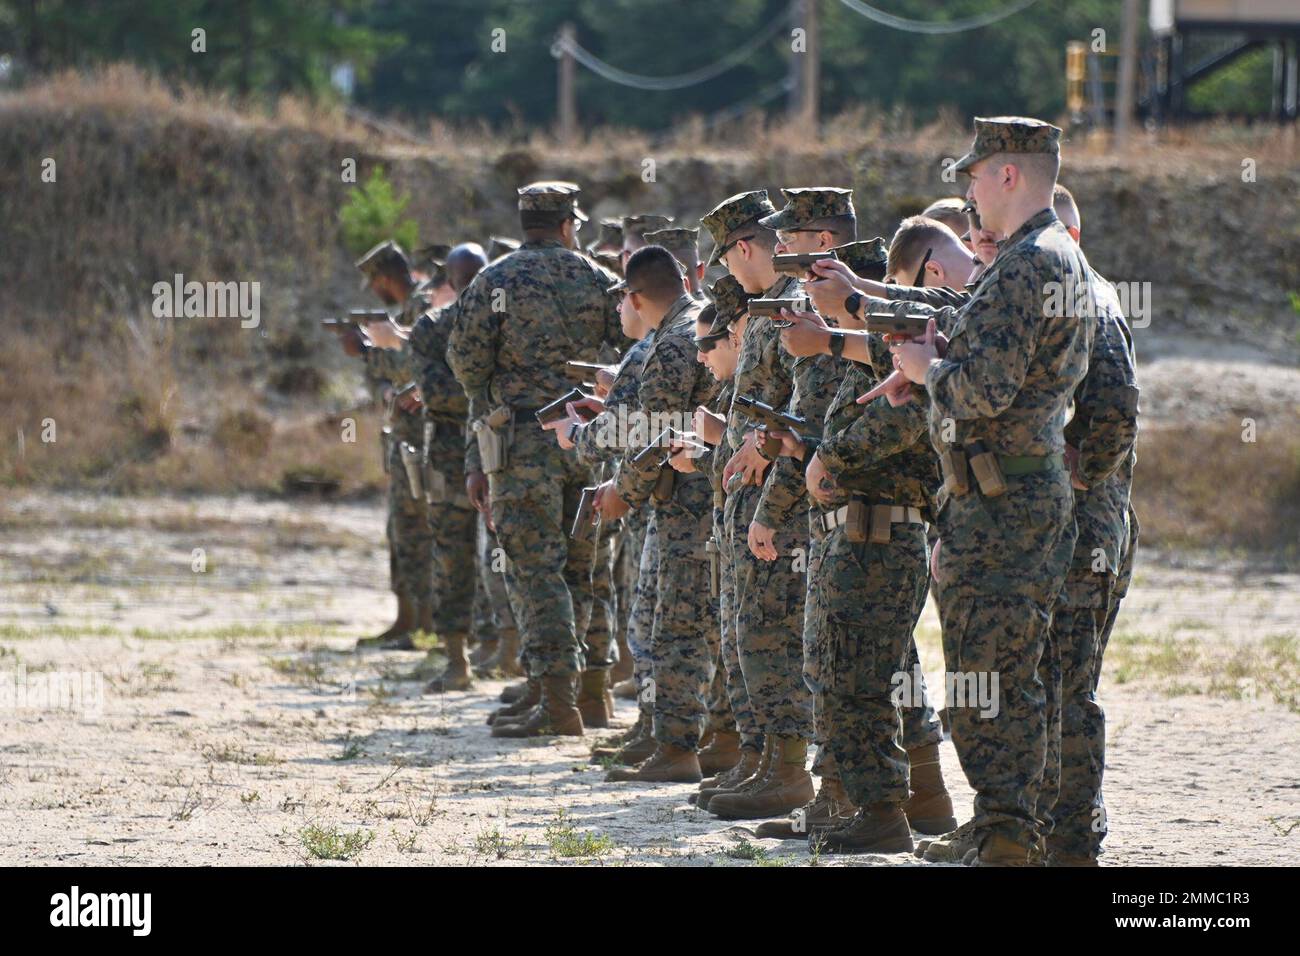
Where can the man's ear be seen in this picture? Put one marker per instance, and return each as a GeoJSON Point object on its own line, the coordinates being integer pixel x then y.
{"type": "Point", "coordinates": [1074, 232]}
{"type": "Point", "coordinates": [699, 271]}
{"type": "Point", "coordinates": [825, 240]}
{"type": "Point", "coordinates": [935, 275]}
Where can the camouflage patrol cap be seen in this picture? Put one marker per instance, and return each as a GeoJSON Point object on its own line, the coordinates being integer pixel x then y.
{"type": "Point", "coordinates": [732, 214]}
{"type": "Point", "coordinates": [610, 235]}
{"type": "Point", "coordinates": [610, 260]}
{"type": "Point", "coordinates": [636, 227]}
{"type": "Point", "coordinates": [1010, 134]}
{"type": "Point", "coordinates": [498, 246]}
{"type": "Point", "coordinates": [730, 300]}
{"type": "Point", "coordinates": [551, 197]}
{"type": "Point", "coordinates": [863, 256]}
{"type": "Point", "coordinates": [383, 259]}
{"type": "Point", "coordinates": [809, 204]}
{"type": "Point", "coordinates": [681, 242]}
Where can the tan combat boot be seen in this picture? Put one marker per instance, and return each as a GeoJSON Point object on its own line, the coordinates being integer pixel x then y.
{"type": "Point", "coordinates": [556, 714]}
{"type": "Point", "coordinates": [788, 785]}
{"type": "Point", "coordinates": [612, 746]}
{"type": "Point", "coordinates": [719, 751]}
{"type": "Point", "coordinates": [951, 847]}
{"type": "Point", "coordinates": [878, 828]}
{"type": "Point", "coordinates": [530, 698]}
{"type": "Point", "coordinates": [456, 676]}
{"type": "Point", "coordinates": [505, 662]}
{"type": "Point", "coordinates": [929, 808]}
{"type": "Point", "coordinates": [829, 810]}
{"type": "Point", "coordinates": [596, 711]}
{"type": "Point", "coordinates": [484, 651]}
{"type": "Point", "coordinates": [668, 764]}
{"type": "Point", "coordinates": [1057, 858]}
{"type": "Point", "coordinates": [638, 750]}
{"type": "Point", "coordinates": [622, 668]}
{"type": "Point", "coordinates": [512, 692]}
{"type": "Point", "coordinates": [999, 850]}
{"type": "Point", "coordinates": [749, 772]}
{"type": "Point", "coordinates": [397, 637]}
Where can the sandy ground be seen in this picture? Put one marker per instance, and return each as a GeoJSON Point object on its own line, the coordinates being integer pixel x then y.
{"type": "Point", "coordinates": [236, 726]}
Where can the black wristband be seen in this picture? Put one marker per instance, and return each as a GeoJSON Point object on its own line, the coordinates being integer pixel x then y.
{"type": "Point", "coordinates": [810, 448]}
{"type": "Point", "coordinates": [837, 344]}
{"type": "Point", "coordinates": [853, 303]}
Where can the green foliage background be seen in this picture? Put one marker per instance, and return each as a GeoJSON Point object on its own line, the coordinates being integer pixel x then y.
{"type": "Point", "coordinates": [433, 57]}
{"type": "Point", "coordinates": [373, 213]}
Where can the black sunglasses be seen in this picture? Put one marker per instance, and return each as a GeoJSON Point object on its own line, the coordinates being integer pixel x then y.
{"type": "Point", "coordinates": [731, 245]}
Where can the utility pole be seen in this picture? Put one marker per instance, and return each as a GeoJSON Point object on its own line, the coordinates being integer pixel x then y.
{"type": "Point", "coordinates": [805, 67]}
{"type": "Point", "coordinates": [1125, 88]}
{"type": "Point", "coordinates": [567, 106]}
{"type": "Point", "coordinates": [811, 79]}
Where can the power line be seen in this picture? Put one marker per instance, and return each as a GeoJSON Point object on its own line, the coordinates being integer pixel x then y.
{"type": "Point", "coordinates": [934, 27]}
{"type": "Point", "coordinates": [563, 45]}
{"type": "Point", "coordinates": [738, 109]}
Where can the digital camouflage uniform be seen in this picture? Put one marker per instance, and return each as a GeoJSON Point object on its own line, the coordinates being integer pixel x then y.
{"type": "Point", "coordinates": [451, 515]}
{"type": "Point", "coordinates": [410, 536]}
{"type": "Point", "coordinates": [864, 599]}
{"type": "Point", "coordinates": [728, 688]}
{"type": "Point", "coordinates": [1104, 430]}
{"type": "Point", "coordinates": [684, 638]}
{"type": "Point", "coordinates": [1105, 422]}
{"type": "Point", "coordinates": [599, 443]}
{"type": "Point", "coordinates": [742, 710]}
{"type": "Point", "coordinates": [1007, 380]}
{"type": "Point", "coordinates": [522, 317]}
{"type": "Point", "coordinates": [784, 500]}
{"type": "Point", "coordinates": [769, 594]}
{"type": "Point", "coordinates": [729, 301]}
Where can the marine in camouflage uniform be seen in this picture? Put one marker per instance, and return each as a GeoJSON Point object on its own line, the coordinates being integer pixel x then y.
{"type": "Point", "coordinates": [1105, 422]}
{"type": "Point", "coordinates": [854, 658]}
{"type": "Point", "coordinates": [521, 318]}
{"type": "Point", "coordinates": [816, 380]}
{"type": "Point", "coordinates": [410, 537]}
{"type": "Point", "coordinates": [865, 599]}
{"type": "Point", "coordinates": [598, 444]}
{"type": "Point", "coordinates": [1007, 379]}
{"type": "Point", "coordinates": [1103, 431]}
{"type": "Point", "coordinates": [452, 518]}
{"type": "Point", "coordinates": [729, 301]}
{"type": "Point", "coordinates": [684, 638]}
{"type": "Point", "coordinates": [769, 596]}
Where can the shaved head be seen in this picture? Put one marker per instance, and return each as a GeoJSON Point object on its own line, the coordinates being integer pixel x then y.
{"type": "Point", "coordinates": [464, 263]}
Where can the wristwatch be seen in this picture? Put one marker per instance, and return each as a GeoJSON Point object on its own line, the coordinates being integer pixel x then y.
{"type": "Point", "coordinates": [853, 303]}
{"type": "Point", "coordinates": [837, 344]}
